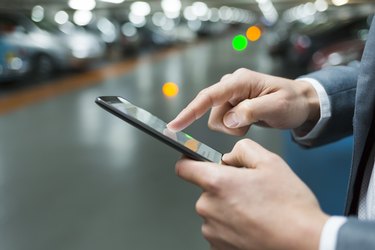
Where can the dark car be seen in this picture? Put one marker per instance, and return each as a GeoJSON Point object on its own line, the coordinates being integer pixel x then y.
{"type": "Point", "coordinates": [308, 40]}
{"type": "Point", "coordinates": [340, 53]}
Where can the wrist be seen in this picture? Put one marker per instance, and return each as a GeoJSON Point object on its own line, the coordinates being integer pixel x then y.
{"type": "Point", "coordinates": [311, 231]}
{"type": "Point", "coordinates": [312, 103]}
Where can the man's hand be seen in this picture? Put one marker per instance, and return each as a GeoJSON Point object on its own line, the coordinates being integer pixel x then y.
{"type": "Point", "coordinates": [246, 97]}
{"type": "Point", "coordinates": [256, 202]}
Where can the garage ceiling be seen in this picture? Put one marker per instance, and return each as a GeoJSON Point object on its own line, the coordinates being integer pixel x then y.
{"type": "Point", "coordinates": [245, 4]}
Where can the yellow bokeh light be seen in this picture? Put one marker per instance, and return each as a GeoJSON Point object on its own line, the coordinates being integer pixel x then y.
{"type": "Point", "coordinates": [253, 33]}
{"type": "Point", "coordinates": [170, 89]}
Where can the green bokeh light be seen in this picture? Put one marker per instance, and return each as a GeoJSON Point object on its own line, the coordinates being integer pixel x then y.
{"type": "Point", "coordinates": [188, 136]}
{"type": "Point", "coordinates": [239, 42]}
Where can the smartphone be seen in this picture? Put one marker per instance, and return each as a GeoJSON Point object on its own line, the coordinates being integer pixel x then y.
{"type": "Point", "coordinates": [157, 128]}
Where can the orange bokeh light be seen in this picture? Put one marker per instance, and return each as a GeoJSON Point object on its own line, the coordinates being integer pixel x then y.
{"type": "Point", "coordinates": [253, 33]}
{"type": "Point", "coordinates": [170, 89]}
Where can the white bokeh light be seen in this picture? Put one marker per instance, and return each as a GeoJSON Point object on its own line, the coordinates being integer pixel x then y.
{"type": "Point", "coordinates": [37, 13]}
{"type": "Point", "coordinates": [82, 4]}
{"type": "Point", "coordinates": [82, 17]}
{"type": "Point", "coordinates": [340, 2]}
{"type": "Point", "coordinates": [159, 19]}
{"type": "Point", "coordinates": [321, 5]}
{"type": "Point", "coordinates": [138, 21]}
{"type": "Point", "coordinates": [188, 14]}
{"type": "Point", "coordinates": [199, 9]}
{"type": "Point", "coordinates": [140, 8]}
{"type": "Point", "coordinates": [171, 5]}
{"type": "Point", "coordinates": [128, 30]}
{"type": "Point", "coordinates": [61, 17]}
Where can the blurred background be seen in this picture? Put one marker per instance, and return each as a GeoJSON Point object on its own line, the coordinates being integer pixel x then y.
{"type": "Point", "coordinates": [72, 176]}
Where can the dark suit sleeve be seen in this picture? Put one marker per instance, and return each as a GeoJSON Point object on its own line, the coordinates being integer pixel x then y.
{"type": "Point", "coordinates": [356, 234]}
{"type": "Point", "coordinates": [340, 84]}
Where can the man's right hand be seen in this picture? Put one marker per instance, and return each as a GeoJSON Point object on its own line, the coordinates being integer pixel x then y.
{"type": "Point", "coordinates": [246, 97]}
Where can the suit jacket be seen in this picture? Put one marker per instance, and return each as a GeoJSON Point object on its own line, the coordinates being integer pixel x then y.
{"type": "Point", "coordinates": [351, 90]}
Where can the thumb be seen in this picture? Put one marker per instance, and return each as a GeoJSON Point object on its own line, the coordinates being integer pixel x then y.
{"type": "Point", "coordinates": [199, 173]}
{"type": "Point", "coordinates": [248, 154]}
{"type": "Point", "coordinates": [251, 111]}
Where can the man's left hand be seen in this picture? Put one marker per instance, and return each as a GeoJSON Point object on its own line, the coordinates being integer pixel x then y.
{"type": "Point", "coordinates": [255, 201]}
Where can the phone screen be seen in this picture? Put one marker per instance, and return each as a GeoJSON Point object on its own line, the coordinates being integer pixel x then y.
{"type": "Point", "coordinates": [156, 127]}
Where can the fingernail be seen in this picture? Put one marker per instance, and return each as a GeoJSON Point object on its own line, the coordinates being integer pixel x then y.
{"type": "Point", "coordinates": [231, 120]}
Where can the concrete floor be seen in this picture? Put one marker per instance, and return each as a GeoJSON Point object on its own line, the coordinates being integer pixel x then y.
{"type": "Point", "coordinates": [74, 177]}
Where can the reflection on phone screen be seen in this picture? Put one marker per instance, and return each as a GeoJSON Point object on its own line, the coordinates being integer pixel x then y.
{"type": "Point", "coordinates": [160, 127]}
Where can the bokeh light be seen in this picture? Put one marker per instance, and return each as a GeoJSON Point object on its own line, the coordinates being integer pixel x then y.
{"type": "Point", "coordinates": [170, 89]}
{"type": "Point", "coordinates": [82, 17]}
{"type": "Point", "coordinates": [61, 17]}
{"type": "Point", "coordinates": [239, 42]}
{"type": "Point", "coordinates": [253, 33]}
{"type": "Point", "coordinates": [37, 13]}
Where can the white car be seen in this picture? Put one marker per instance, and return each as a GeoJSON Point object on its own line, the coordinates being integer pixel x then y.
{"type": "Point", "coordinates": [50, 51]}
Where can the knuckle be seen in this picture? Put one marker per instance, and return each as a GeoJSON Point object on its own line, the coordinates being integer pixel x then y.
{"type": "Point", "coordinates": [178, 167]}
{"type": "Point", "coordinates": [272, 158]}
{"type": "Point", "coordinates": [244, 143]}
{"type": "Point", "coordinates": [224, 77]}
{"type": "Point", "coordinates": [206, 94]}
{"type": "Point", "coordinates": [201, 207]}
{"type": "Point", "coordinates": [213, 125]}
{"type": "Point", "coordinates": [206, 232]}
{"type": "Point", "coordinates": [246, 110]}
{"type": "Point", "coordinates": [267, 159]}
{"type": "Point", "coordinates": [241, 71]}
{"type": "Point", "coordinates": [202, 92]}
{"type": "Point", "coordinates": [214, 183]}
{"type": "Point", "coordinates": [282, 103]}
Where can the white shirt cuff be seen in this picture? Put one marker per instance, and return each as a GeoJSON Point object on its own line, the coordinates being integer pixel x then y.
{"type": "Point", "coordinates": [328, 238]}
{"type": "Point", "coordinates": [325, 111]}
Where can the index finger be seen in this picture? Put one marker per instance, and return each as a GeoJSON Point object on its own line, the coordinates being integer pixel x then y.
{"type": "Point", "coordinates": [206, 99]}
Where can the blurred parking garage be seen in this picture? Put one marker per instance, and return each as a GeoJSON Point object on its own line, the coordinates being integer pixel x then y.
{"type": "Point", "coordinates": [74, 177]}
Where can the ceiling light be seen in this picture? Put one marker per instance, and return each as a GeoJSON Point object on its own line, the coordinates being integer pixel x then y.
{"type": "Point", "coordinates": [82, 17]}
{"type": "Point", "coordinates": [61, 17]}
{"type": "Point", "coordinates": [82, 4]}
{"type": "Point", "coordinates": [199, 9]}
{"type": "Point", "coordinates": [159, 19]}
{"type": "Point", "coordinates": [188, 14]}
{"type": "Point", "coordinates": [113, 1]}
{"type": "Point", "coordinates": [321, 5]}
{"type": "Point", "coordinates": [138, 21]}
{"type": "Point", "coordinates": [171, 5]}
{"type": "Point", "coordinates": [140, 8]}
{"type": "Point", "coordinates": [37, 14]}
{"type": "Point", "coordinates": [340, 2]}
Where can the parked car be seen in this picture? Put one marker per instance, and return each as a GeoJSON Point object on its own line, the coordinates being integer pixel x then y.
{"type": "Point", "coordinates": [14, 63]}
{"type": "Point", "coordinates": [48, 51]}
{"type": "Point", "coordinates": [340, 53]}
{"type": "Point", "coordinates": [130, 38]}
{"type": "Point", "coordinates": [84, 47]}
{"type": "Point", "coordinates": [311, 38]}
